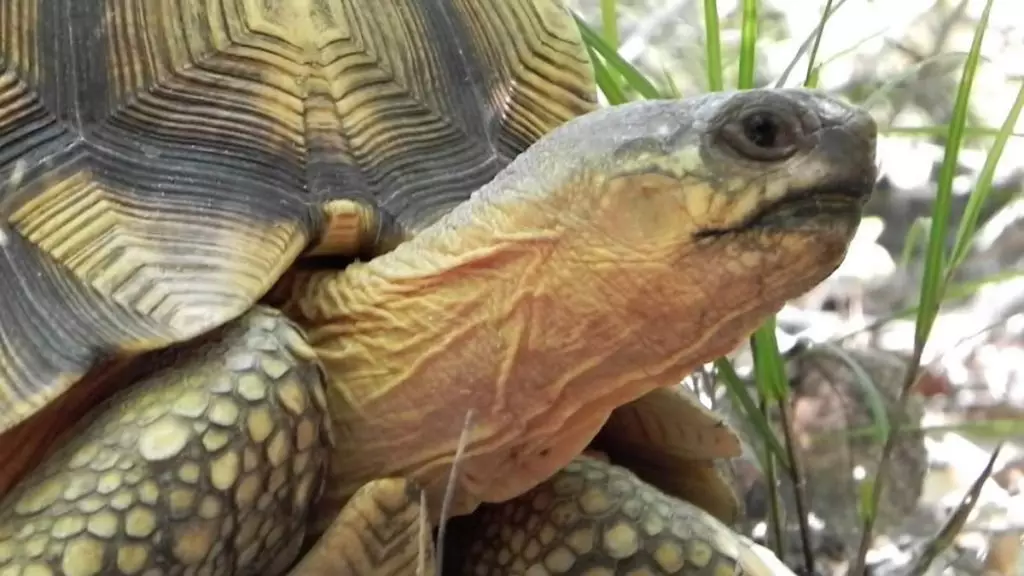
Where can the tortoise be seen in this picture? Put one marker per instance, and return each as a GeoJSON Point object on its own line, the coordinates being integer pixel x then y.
{"type": "Point", "coordinates": [269, 267]}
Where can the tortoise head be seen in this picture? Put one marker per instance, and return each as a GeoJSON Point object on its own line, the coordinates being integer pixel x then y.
{"type": "Point", "coordinates": [758, 162]}
{"type": "Point", "coordinates": [617, 254]}
{"type": "Point", "coordinates": [785, 166]}
{"type": "Point", "coordinates": [730, 200]}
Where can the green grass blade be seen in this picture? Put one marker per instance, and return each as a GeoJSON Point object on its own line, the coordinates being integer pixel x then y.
{"type": "Point", "coordinates": [813, 77]}
{"type": "Point", "coordinates": [606, 81]}
{"type": "Point", "coordinates": [768, 364]}
{"type": "Point", "coordinates": [748, 45]}
{"type": "Point", "coordinates": [810, 79]}
{"type": "Point", "coordinates": [877, 404]}
{"type": "Point", "coordinates": [994, 429]}
{"type": "Point", "coordinates": [969, 287]}
{"type": "Point", "coordinates": [932, 286]}
{"type": "Point", "coordinates": [636, 79]}
{"type": "Point", "coordinates": [914, 237]}
{"type": "Point", "coordinates": [974, 430]}
{"type": "Point", "coordinates": [610, 22]}
{"type": "Point", "coordinates": [942, 129]}
{"type": "Point", "coordinates": [935, 277]}
{"type": "Point", "coordinates": [851, 49]}
{"type": "Point", "coordinates": [806, 44]}
{"type": "Point", "coordinates": [865, 490]}
{"type": "Point", "coordinates": [775, 514]}
{"type": "Point", "coordinates": [909, 74]}
{"type": "Point", "coordinates": [953, 292]}
{"type": "Point", "coordinates": [671, 86]}
{"type": "Point", "coordinates": [751, 412]}
{"type": "Point", "coordinates": [713, 46]}
{"type": "Point", "coordinates": [972, 212]}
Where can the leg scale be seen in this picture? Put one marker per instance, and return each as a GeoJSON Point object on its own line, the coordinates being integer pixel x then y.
{"type": "Point", "coordinates": [596, 519]}
{"type": "Point", "coordinates": [382, 531]}
{"type": "Point", "coordinates": [208, 466]}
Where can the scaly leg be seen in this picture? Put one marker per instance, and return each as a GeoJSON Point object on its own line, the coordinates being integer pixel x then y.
{"type": "Point", "coordinates": [383, 530]}
{"type": "Point", "coordinates": [593, 518]}
{"type": "Point", "coordinates": [208, 466]}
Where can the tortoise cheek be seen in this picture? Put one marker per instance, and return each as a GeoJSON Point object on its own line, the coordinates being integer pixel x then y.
{"type": "Point", "coordinates": [645, 212]}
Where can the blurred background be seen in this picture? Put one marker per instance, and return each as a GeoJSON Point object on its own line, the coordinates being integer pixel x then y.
{"type": "Point", "coordinates": [847, 345]}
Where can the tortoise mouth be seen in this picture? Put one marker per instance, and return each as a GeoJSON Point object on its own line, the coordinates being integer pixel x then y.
{"type": "Point", "coordinates": [815, 207]}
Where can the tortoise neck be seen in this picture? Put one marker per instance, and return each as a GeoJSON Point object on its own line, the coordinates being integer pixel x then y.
{"type": "Point", "coordinates": [502, 315]}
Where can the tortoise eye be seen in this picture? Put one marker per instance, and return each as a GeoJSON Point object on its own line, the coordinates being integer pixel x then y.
{"type": "Point", "coordinates": [763, 135]}
{"type": "Point", "coordinates": [761, 129]}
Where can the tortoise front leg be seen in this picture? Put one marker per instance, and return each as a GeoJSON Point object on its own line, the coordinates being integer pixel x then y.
{"type": "Point", "coordinates": [382, 531]}
{"type": "Point", "coordinates": [208, 466]}
{"type": "Point", "coordinates": [594, 519]}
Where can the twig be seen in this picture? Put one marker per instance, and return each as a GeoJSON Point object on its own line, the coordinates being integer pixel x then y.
{"type": "Point", "coordinates": [796, 477]}
{"type": "Point", "coordinates": [449, 491]}
{"type": "Point", "coordinates": [811, 58]}
{"type": "Point", "coordinates": [956, 522]}
{"type": "Point", "coordinates": [810, 40]}
{"type": "Point", "coordinates": [421, 565]}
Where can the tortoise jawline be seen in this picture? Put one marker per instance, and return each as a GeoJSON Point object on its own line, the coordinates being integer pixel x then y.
{"type": "Point", "coordinates": [798, 210]}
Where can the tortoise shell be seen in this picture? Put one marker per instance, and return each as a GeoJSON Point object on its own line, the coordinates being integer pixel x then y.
{"type": "Point", "coordinates": [163, 162]}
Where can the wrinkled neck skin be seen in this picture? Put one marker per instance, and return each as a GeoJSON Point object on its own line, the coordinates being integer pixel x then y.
{"type": "Point", "coordinates": [538, 325]}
